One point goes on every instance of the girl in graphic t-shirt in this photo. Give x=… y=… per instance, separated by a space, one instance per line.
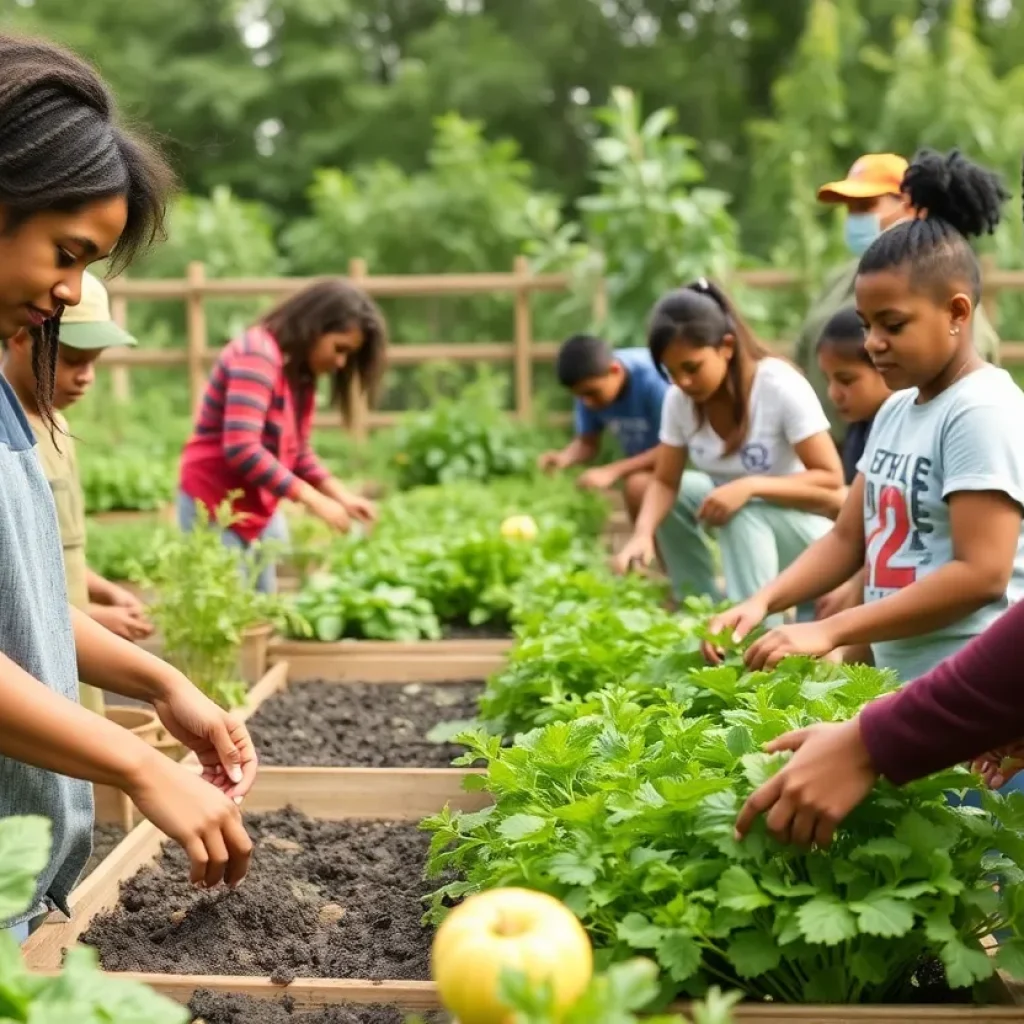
x=934 y=514
x=756 y=440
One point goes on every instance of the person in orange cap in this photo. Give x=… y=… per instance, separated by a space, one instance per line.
x=873 y=195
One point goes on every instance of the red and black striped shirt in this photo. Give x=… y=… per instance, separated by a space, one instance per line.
x=251 y=434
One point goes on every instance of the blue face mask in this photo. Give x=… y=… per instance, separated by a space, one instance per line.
x=861 y=230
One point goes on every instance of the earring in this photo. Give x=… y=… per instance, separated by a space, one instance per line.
x=954 y=331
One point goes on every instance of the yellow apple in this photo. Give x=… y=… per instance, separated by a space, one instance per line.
x=514 y=929
x=519 y=528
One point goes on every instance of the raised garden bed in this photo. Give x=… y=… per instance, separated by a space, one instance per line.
x=312 y=724
x=105 y=839
x=359 y=800
x=218 y=1008
x=372 y=661
x=363 y=856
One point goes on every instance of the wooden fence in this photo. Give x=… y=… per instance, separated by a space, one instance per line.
x=523 y=351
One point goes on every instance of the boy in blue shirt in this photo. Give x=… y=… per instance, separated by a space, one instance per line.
x=620 y=391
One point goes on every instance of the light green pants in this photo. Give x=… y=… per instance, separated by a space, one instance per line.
x=756 y=545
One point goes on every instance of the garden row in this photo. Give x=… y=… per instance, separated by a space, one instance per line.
x=604 y=764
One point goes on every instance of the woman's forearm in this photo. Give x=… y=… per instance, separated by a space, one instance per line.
x=118 y=666
x=938 y=600
x=825 y=565
x=964 y=707
x=803 y=491
x=41 y=728
x=659 y=499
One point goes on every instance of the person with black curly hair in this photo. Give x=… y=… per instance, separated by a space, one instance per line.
x=934 y=513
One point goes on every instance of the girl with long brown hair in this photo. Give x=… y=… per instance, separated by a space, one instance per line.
x=252 y=433
x=745 y=453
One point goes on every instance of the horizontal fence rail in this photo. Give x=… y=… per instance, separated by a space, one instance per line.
x=522 y=352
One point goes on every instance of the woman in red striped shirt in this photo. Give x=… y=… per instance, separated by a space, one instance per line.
x=252 y=431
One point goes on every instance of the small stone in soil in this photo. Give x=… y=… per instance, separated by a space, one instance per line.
x=283 y=920
x=215 y=1008
x=367 y=725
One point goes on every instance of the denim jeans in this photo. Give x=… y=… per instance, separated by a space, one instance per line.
x=276 y=530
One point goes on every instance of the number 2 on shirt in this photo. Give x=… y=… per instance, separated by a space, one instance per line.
x=892 y=516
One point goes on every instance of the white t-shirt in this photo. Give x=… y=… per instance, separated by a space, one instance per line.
x=784 y=410
x=966 y=439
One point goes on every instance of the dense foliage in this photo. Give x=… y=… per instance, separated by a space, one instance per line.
x=126 y=483
x=471 y=438
x=203 y=599
x=80 y=992
x=437 y=559
x=119 y=551
x=627 y=813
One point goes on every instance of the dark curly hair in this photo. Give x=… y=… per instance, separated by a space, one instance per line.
x=61 y=148
x=955 y=200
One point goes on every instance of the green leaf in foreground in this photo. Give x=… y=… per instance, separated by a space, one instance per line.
x=738 y=890
x=24 y=851
x=826 y=921
x=753 y=953
x=964 y=965
x=1010 y=957
x=883 y=915
x=521 y=826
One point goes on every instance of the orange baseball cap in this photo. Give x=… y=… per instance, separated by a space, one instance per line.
x=872 y=176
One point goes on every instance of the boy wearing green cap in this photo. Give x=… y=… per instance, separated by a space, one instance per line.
x=85 y=331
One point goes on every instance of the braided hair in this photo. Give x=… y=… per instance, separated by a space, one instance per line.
x=701 y=314
x=61 y=149
x=956 y=200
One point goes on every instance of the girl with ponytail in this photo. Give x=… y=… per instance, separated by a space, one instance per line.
x=753 y=439
x=934 y=513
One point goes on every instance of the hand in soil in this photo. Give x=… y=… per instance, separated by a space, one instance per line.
x=220 y=741
x=197 y=816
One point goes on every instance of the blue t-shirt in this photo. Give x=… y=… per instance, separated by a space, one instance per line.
x=966 y=439
x=635 y=416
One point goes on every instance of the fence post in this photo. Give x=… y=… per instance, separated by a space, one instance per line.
x=359 y=406
x=196 y=332
x=120 y=379
x=523 y=341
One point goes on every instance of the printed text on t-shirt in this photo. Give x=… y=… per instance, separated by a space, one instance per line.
x=894 y=489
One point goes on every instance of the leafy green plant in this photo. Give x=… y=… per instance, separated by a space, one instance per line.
x=331 y=608
x=119 y=550
x=81 y=992
x=204 y=599
x=471 y=438
x=130 y=482
x=627 y=813
x=616 y=996
x=456 y=570
x=574 y=649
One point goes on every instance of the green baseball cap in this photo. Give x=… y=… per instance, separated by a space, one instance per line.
x=89 y=325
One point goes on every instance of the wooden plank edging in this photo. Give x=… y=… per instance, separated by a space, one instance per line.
x=373 y=661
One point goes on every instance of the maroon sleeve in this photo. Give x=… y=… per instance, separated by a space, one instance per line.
x=964 y=707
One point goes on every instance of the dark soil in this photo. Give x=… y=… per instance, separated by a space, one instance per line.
x=365 y=725
x=104 y=839
x=324 y=899
x=212 y=1008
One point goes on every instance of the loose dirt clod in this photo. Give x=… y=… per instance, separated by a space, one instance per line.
x=274 y=924
x=361 y=724
x=213 y=1008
